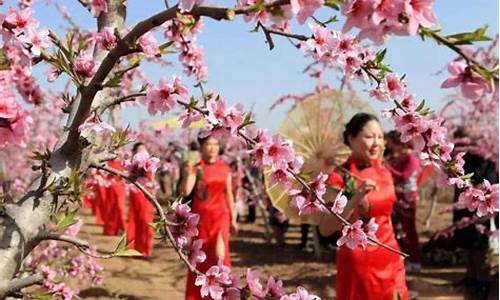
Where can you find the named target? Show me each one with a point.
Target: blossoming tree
(103, 69)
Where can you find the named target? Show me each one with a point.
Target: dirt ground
(163, 276)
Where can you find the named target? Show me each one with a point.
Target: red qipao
(140, 214)
(95, 199)
(114, 204)
(209, 201)
(372, 273)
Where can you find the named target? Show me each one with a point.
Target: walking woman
(140, 214)
(114, 204)
(373, 272)
(212, 199)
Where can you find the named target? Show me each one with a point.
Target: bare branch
(269, 31)
(64, 238)
(117, 101)
(85, 4)
(19, 283)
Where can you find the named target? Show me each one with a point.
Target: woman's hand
(234, 227)
(366, 187)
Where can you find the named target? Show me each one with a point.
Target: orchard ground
(163, 275)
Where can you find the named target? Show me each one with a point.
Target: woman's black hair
(193, 146)
(394, 136)
(356, 124)
(203, 139)
(136, 146)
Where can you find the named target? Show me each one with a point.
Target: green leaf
(468, 38)
(115, 81)
(421, 105)
(165, 46)
(486, 74)
(121, 243)
(121, 248)
(119, 138)
(4, 62)
(333, 19)
(157, 226)
(427, 32)
(380, 56)
(128, 252)
(67, 220)
(45, 296)
(335, 4)
(306, 176)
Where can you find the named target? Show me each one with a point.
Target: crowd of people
(380, 179)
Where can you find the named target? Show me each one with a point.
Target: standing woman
(405, 168)
(210, 182)
(114, 205)
(373, 272)
(140, 214)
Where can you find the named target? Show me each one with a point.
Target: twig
(82, 245)
(160, 211)
(470, 60)
(146, 193)
(269, 31)
(85, 4)
(130, 97)
(64, 238)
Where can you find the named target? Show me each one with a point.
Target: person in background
(373, 272)
(405, 168)
(114, 204)
(278, 222)
(472, 240)
(140, 214)
(213, 201)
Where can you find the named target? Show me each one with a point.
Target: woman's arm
(188, 180)
(230, 202)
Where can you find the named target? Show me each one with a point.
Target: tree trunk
(22, 221)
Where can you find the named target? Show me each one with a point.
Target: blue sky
(242, 68)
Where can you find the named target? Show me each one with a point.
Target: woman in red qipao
(373, 272)
(94, 199)
(210, 180)
(114, 204)
(140, 214)
(405, 168)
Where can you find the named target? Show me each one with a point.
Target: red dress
(114, 204)
(209, 201)
(406, 170)
(373, 273)
(97, 184)
(140, 214)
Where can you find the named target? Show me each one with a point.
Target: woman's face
(394, 147)
(141, 148)
(210, 148)
(368, 144)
